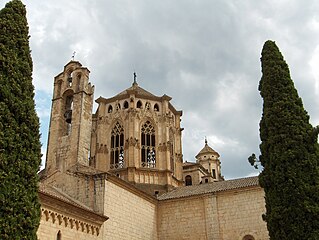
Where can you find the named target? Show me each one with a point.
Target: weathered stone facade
(119, 173)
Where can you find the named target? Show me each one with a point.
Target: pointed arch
(67, 109)
(156, 107)
(148, 145)
(110, 109)
(139, 104)
(117, 146)
(125, 104)
(59, 235)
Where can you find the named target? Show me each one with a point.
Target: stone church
(119, 173)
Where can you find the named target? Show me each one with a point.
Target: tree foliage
(289, 154)
(20, 148)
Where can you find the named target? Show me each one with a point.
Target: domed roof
(206, 150)
(138, 91)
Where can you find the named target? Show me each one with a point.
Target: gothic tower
(137, 136)
(71, 119)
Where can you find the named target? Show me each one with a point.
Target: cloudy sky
(204, 54)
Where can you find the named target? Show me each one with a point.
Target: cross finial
(73, 55)
(205, 140)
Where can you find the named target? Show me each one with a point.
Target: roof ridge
(213, 187)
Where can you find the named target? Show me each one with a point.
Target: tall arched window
(68, 113)
(117, 147)
(148, 153)
(188, 180)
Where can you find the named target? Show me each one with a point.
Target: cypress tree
(289, 154)
(20, 148)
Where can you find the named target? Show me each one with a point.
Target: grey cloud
(204, 54)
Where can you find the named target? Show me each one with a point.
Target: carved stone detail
(69, 222)
(102, 148)
(131, 142)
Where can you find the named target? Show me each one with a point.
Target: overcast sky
(204, 54)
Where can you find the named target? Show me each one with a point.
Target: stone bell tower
(71, 119)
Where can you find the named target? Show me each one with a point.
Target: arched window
(68, 113)
(117, 147)
(188, 180)
(248, 237)
(156, 108)
(59, 235)
(110, 109)
(70, 79)
(125, 105)
(148, 153)
(139, 104)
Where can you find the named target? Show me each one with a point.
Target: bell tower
(71, 119)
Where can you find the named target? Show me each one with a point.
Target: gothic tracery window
(148, 154)
(117, 147)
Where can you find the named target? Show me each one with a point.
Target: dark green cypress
(289, 154)
(20, 148)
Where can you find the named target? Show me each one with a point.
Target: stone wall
(240, 213)
(182, 219)
(228, 215)
(70, 228)
(131, 216)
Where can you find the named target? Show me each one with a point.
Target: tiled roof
(212, 187)
(207, 149)
(139, 91)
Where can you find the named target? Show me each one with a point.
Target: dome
(207, 150)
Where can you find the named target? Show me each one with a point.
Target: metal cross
(73, 56)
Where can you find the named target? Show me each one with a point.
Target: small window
(248, 237)
(214, 173)
(156, 108)
(206, 180)
(110, 109)
(59, 236)
(125, 105)
(188, 180)
(118, 107)
(139, 104)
